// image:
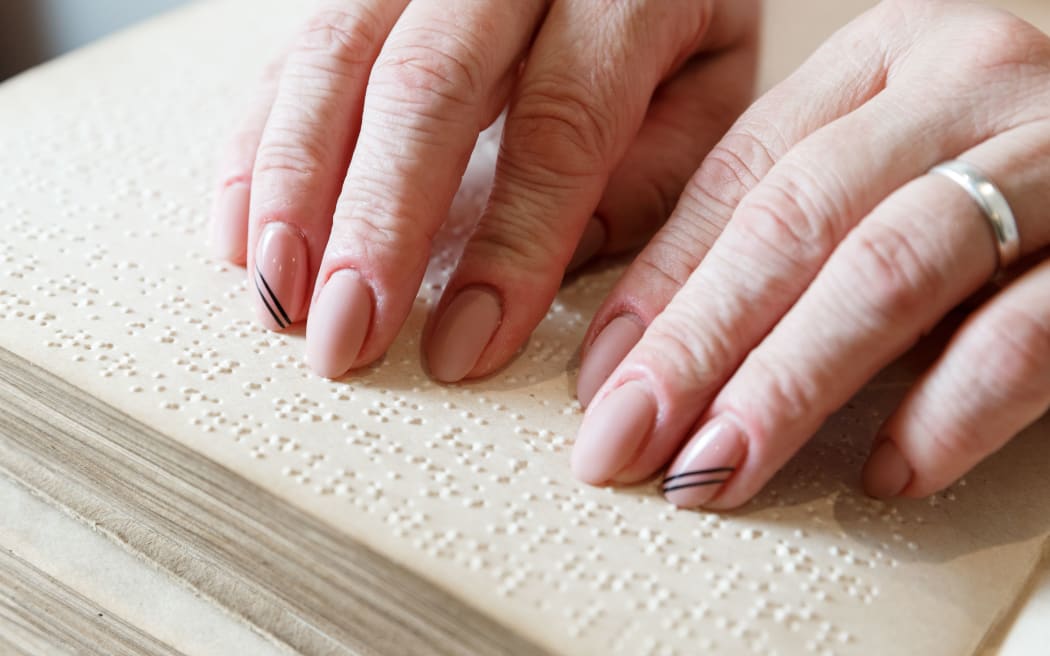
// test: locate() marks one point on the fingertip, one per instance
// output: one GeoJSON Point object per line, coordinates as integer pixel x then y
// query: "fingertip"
{"type": "Point", "coordinates": [338, 324]}
{"type": "Point", "coordinates": [887, 472]}
{"type": "Point", "coordinates": [462, 333]}
{"type": "Point", "coordinates": [609, 348]}
{"type": "Point", "coordinates": [280, 276]}
{"type": "Point", "coordinates": [706, 464]}
{"type": "Point", "coordinates": [612, 432]}
{"type": "Point", "coordinates": [582, 469]}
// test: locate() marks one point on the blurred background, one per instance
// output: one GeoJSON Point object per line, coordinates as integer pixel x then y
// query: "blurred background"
{"type": "Point", "coordinates": [33, 31]}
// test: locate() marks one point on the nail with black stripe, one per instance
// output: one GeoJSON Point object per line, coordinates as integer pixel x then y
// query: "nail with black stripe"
{"type": "Point", "coordinates": [280, 275]}
{"type": "Point", "coordinates": [706, 463]}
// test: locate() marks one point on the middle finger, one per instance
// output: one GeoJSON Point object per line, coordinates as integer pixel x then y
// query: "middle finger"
{"type": "Point", "coordinates": [582, 98]}
{"type": "Point", "coordinates": [443, 75]}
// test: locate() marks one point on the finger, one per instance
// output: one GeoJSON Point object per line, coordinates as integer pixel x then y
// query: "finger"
{"type": "Point", "coordinates": [993, 381]}
{"type": "Point", "coordinates": [229, 221]}
{"type": "Point", "coordinates": [304, 151]}
{"type": "Point", "coordinates": [780, 236]}
{"type": "Point", "coordinates": [567, 127]}
{"type": "Point", "coordinates": [686, 118]}
{"type": "Point", "coordinates": [828, 86]}
{"type": "Point", "coordinates": [891, 280]}
{"type": "Point", "coordinates": [442, 76]}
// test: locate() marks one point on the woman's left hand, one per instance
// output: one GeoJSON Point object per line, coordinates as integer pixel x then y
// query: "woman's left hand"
{"type": "Point", "coordinates": [840, 253]}
{"type": "Point", "coordinates": [347, 162]}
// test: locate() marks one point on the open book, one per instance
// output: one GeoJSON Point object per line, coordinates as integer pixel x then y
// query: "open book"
{"type": "Point", "coordinates": [385, 513]}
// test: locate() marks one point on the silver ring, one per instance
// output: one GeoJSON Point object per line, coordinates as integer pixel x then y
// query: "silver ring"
{"type": "Point", "coordinates": [992, 203]}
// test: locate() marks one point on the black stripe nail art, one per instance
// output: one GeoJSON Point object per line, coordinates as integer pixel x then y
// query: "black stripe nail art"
{"type": "Point", "coordinates": [269, 309]}
{"type": "Point", "coordinates": [272, 297]}
{"type": "Point", "coordinates": [698, 472]}
{"type": "Point", "coordinates": [683, 486]}
{"type": "Point", "coordinates": [670, 486]}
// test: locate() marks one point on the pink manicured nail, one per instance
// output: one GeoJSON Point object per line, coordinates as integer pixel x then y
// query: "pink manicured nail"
{"type": "Point", "coordinates": [613, 432]}
{"type": "Point", "coordinates": [886, 473]}
{"type": "Point", "coordinates": [338, 324]}
{"type": "Point", "coordinates": [280, 275]}
{"type": "Point", "coordinates": [706, 463]}
{"type": "Point", "coordinates": [590, 243]}
{"type": "Point", "coordinates": [229, 228]}
{"type": "Point", "coordinates": [611, 346]}
{"type": "Point", "coordinates": [463, 332]}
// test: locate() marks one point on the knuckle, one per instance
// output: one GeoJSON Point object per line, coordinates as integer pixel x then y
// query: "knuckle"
{"type": "Point", "coordinates": [342, 35]}
{"type": "Point", "coordinates": [671, 257]}
{"type": "Point", "coordinates": [692, 361]}
{"type": "Point", "coordinates": [782, 220]}
{"type": "Point", "coordinates": [557, 120]}
{"type": "Point", "coordinates": [885, 270]}
{"type": "Point", "coordinates": [431, 65]}
{"type": "Point", "coordinates": [365, 225]}
{"type": "Point", "coordinates": [289, 151]}
{"type": "Point", "coordinates": [784, 396]}
{"type": "Point", "coordinates": [525, 248]}
{"type": "Point", "coordinates": [664, 270]}
{"type": "Point", "coordinates": [735, 166]}
{"type": "Point", "coordinates": [1008, 44]}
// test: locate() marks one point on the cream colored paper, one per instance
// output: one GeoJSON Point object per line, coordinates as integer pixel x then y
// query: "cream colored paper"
{"type": "Point", "coordinates": [105, 165]}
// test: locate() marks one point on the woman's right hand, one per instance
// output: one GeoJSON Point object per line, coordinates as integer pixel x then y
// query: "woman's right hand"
{"type": "Point", "coordinates": [348, 161]}
{"type": "Point", "coordinates": [843, 252]}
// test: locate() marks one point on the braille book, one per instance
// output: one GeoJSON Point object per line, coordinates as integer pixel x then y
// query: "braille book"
{"type": "Point", "coordinates": [385, 513]}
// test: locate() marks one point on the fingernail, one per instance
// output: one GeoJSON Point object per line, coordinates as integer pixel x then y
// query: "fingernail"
{"type": "Point", "coordinates": [591, 242]}
{"type": "Point", "coordinates": [463, 332]}
{"type": "Point", "coordinates": [611, 346]}
{"type": "Point", "coordinates": [229, 228]}
{"type": "Point", "coordinates": [338, 324]}
{"type": "Point", "coordinates": [886, 473]}
{"type": "Point", "coordinates": [706, 463]}
{"type": "Point", "coordinates": [612, 432]}
{"type": "Point", "coordinates": [280, 275]}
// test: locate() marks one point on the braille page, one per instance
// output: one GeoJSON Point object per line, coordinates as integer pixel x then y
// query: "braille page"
{"type": "Point", "coordinates": [106, 279]}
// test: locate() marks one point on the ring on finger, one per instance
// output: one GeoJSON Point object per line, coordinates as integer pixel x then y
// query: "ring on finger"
{"type": "Point", "coordinates": [993, 205]}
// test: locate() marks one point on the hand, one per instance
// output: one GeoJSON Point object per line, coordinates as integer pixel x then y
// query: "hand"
{"type": "Point", "coordinates": [349, 160]}
{"type": "Point", "coordinates": [838, 253]}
